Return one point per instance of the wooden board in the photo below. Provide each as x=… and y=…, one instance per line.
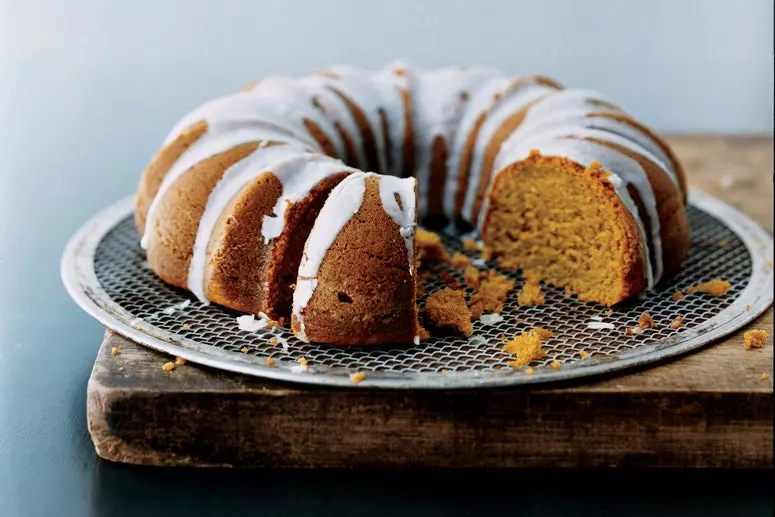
x=707, y=409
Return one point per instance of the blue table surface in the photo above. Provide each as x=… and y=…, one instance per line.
x=67, y=155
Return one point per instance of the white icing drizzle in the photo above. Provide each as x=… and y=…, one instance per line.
x=584, y=118
x=438, y=102
x=232, y=121
x=302, y=93
x=298, y=176
x=359, y=87
x=517, y=99
x=390, y=82
x=480, y=102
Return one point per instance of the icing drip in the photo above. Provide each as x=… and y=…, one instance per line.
x=358, y=86
x=439, y=101
x=480, y=102
x=298, y=176
x=517, y=99
x=390, y=82
x=404, y=214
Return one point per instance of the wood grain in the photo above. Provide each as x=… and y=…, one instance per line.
x=706, y=409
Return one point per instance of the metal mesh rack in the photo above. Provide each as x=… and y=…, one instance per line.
x=106, y=271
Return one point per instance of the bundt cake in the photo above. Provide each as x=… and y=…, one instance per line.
x=258, y=201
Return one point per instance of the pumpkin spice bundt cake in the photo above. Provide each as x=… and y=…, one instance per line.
x=258, y=201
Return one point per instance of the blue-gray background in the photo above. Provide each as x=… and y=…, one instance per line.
x=88, y=89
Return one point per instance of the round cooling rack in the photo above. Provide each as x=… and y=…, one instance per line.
x=106, y=272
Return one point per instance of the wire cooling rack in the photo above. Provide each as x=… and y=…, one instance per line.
x=106, y=272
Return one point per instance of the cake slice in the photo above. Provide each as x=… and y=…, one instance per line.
x=356, y=282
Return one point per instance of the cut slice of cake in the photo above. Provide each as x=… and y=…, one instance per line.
x=356, y=282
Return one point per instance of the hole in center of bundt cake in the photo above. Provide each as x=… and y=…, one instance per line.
x=564, y=225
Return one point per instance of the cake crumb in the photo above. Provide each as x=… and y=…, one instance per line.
x=423, y=333
x=430, y=249
x=470, y=244
x=763, y=377
x=556, y=365
x=270, y=361
x=722, y=243
x=419, y=286
x=168, y=367
x=244, y=350
x=471, y=277
x=273, y=340
x=527, y=347
x=491, y=295
x=677, y=323
x=747, y=307
x=459, y=260
x=645, y=321
x=756, y=338
x=486, y=253
x=531, y=293
x=635, y=330
x=186, y=326
x=542, y=333
x=715, y=287
x=121, y=369
x=114, y=350
x=608, y=312
x=447, y=309
x=443, y=371
x=529, y=371
x=449, y=280
x=584, y=354
x=677, y=295
x=302, y=361
x=179, y=361
x=357, y=377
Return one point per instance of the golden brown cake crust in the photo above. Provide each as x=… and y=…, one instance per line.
x=173, y=230
x=154, y=174
x=367, y=132
x=365, y=290
x=436, y=181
